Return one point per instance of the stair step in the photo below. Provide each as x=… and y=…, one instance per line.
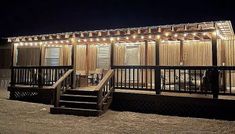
x=74, y=97
x=78, y=104
x=81, y=92
x=74, y=111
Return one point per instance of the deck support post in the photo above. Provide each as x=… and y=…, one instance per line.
x=215, y=71
x=111, y=55
x=157, y=76
x=74, y=42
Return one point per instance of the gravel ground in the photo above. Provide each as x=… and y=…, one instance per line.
x=23, y=117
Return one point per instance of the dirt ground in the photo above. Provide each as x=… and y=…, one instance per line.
x=23, y=117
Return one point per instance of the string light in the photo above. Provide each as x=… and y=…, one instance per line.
x=91, y=40
x=104, y=39
x=111, y=39
x=176, y=35
x=127, y=38
x=185, y=34
x=61, y=41
x=204, y=34
x=85, y=40
x=158, y=36
x=134, y=36
x=166, y=34
x=97, y=39
x=150, y=36
x=142, y=37
x=67, y=41
x=56, y=42
x=194, y=34
x=118, y=38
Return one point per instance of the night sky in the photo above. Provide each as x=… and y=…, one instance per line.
x=48, y=16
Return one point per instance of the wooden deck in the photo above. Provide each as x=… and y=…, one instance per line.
x=131, y=91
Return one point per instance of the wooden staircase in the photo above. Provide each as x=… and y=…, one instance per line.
x=84, y=102
x=78, y=102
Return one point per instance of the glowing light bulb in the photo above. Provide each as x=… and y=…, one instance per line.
x=176, y=35
x=158, y=36
x=166, y=34
x=150, y=36
x=142, y=37
x=134, y=36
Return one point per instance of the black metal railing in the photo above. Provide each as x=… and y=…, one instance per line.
x=37, y=75
x=185, y=79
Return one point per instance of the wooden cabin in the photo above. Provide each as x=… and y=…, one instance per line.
x=183, y=58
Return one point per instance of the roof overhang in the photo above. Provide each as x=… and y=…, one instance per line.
x=194, y=30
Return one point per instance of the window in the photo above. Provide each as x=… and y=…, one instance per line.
x=52, y=56
x=103, y=57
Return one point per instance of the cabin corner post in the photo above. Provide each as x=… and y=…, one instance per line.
x=13, y=49
x=157, y=67
x=74, y=42
x=12, y=83
x=215, y=71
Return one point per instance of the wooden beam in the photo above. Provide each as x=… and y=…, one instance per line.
x=13, y=55
x=87, y=59
x=112, y=55
x=181, y=52
x=40, y=55
x=74, y=42
x=157, y=76
x=214, y=49
x=146, y=52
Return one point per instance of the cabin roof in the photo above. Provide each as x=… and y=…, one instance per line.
x=223, y=28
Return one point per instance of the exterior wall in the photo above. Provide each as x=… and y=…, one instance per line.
x=5, y=63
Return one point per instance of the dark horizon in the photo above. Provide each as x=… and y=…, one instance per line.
x=45, y=17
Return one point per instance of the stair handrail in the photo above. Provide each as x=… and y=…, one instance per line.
x=57, y=86
x=105, y=88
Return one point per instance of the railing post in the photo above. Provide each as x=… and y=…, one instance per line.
x=57, y=95
x=157, y=79
x=40, y=78
x=12, y=77
x=157, y=68
x=215, y=83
